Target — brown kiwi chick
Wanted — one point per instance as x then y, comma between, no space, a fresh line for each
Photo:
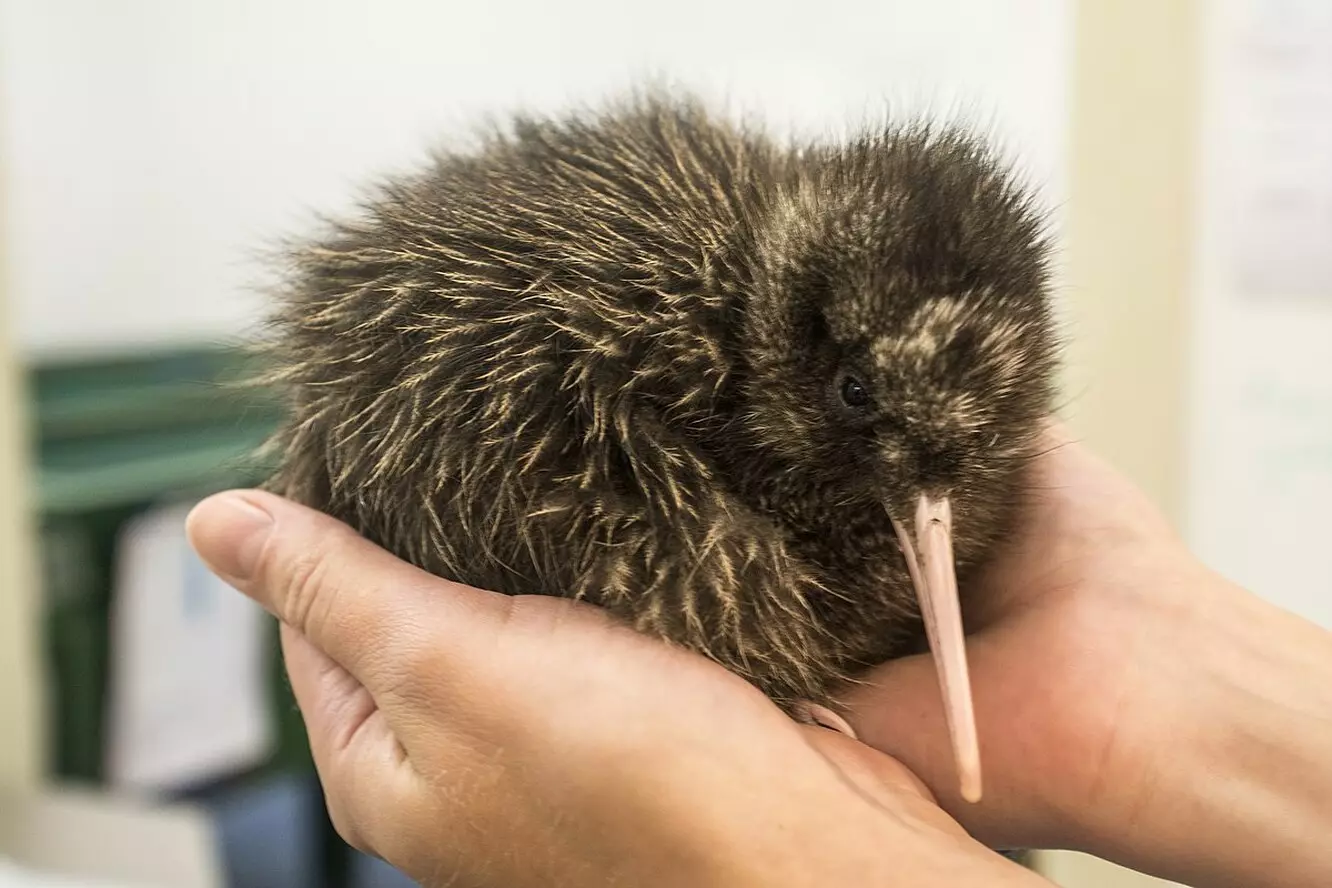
718,384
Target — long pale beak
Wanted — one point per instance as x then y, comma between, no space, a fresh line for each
934,575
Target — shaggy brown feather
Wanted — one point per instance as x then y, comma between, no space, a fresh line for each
606,356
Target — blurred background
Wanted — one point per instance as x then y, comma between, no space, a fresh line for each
152,150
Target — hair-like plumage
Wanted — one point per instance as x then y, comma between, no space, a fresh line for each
606,356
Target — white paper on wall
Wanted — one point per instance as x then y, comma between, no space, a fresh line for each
189,695
1260,502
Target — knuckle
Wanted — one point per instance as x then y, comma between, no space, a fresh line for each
304,589
348,792
343,824
370,815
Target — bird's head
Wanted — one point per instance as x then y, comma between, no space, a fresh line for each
902,350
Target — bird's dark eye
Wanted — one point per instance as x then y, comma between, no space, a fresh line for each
853,393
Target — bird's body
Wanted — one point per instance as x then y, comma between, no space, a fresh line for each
652,360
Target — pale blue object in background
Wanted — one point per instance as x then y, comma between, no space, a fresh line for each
268,833
371,872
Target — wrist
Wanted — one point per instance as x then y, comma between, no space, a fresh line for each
875,825
1232,783
849,817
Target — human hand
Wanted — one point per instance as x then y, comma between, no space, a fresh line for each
471,738
1129,702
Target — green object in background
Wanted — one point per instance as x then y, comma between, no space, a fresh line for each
76,616
114,437
131,430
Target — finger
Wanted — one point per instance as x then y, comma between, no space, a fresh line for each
337,709
366,778
381,619
896,709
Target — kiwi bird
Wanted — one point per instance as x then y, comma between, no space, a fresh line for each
762,398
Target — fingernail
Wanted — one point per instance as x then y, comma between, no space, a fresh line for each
826,718
229,531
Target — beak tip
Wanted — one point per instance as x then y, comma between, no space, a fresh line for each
971,786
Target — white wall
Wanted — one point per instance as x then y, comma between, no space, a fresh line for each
154,145
1260,454
22,697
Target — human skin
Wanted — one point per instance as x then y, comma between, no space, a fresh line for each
1130,703
473,739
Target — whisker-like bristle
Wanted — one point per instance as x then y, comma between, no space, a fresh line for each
597,356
